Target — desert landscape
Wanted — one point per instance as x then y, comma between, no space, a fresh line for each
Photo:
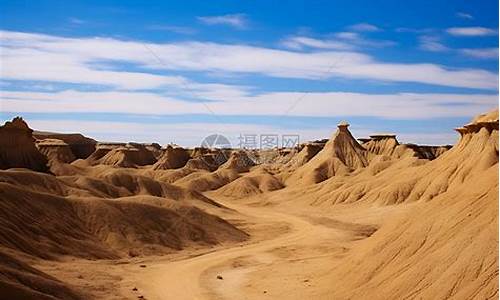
332,219
248,150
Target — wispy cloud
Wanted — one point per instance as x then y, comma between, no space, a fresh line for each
482,53
316,104
299,42
464,15
432,43
471,31
32,56
235,20
364,27
414,30
359,40
76,21
346,35
175,29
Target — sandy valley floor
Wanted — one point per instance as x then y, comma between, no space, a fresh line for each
290,255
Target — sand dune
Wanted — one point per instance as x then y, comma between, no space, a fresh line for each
334,219
257,182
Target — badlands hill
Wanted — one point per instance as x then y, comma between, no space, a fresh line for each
56,150
340,155
446,245
99,213
17,147
172,158
81,146
336,219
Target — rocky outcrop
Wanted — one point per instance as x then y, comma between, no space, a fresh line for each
131,155
308,151
55,150
412,179
388,145
101,150
172,158
81,146
155,148
447,245
381,144
238,161
427,152
208,159
340,155
17,147
125,155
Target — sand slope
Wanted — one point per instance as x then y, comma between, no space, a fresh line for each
105,214
20,281
445,249
256,182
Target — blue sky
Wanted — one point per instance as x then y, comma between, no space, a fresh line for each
176,71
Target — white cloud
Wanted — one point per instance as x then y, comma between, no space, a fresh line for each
80,60
358,40
432,43
175,29
319,104
471,31
414,30
482,53
337,41
234,20
464,15
38,57
346,35
364,27
299,42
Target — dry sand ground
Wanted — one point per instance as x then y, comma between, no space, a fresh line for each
378,220
290,256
